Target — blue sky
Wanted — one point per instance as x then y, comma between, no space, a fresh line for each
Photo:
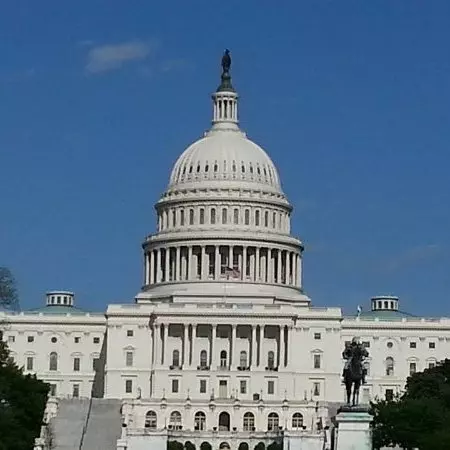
350,98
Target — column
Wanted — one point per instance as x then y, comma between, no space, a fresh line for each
232,357
299,271
279,255
288,268
189,263
269,266
254,347
163,344
193,351
282,347
294,269
186,346
244,263
177,276
158,266
146,271
212,353
230,257
167,263
257,277
152,267
216,263
288,346
203,273
156,344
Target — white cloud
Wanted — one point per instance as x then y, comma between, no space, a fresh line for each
104,58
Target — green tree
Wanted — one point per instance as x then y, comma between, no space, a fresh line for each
22,404
418,418
8,289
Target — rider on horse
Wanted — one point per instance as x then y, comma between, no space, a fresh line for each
348,353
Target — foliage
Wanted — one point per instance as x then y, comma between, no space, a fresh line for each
275,446
418,418
174,445
243,446
188,445
260,446
8,289
22,404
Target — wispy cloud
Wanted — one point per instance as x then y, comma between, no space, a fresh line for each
104,58
413,256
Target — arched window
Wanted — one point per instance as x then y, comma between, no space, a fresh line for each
182,217
223,358
236,216
200,421
257,218
175,419
224,215
297,421
213,216
266,219
272,422
249,421
191,217
203,358
243,359
53,365
202,216
247,217
176,358
274,220
389,366
174,218
243,446
150,420
271,359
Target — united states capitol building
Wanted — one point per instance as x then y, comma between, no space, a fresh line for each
221,338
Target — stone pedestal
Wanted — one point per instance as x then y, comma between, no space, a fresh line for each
354,431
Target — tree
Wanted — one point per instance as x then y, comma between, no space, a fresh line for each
418,418
22,404
8,289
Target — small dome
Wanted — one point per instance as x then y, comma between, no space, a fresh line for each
225,155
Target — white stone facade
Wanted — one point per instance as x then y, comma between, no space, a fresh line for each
221,337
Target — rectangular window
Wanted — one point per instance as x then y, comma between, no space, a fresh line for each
30,363
53,390
30,338
11,339
247,217
412,345
76,364
236,216
223,389
366,344
128,386
431,345
191,217
75,390
317,336
243,386
389,394
271,387
202,386
317,361
182,217
96,340
76,340
316,389
257,213
213,216
412,368
175,386
130,333
129,359
224,215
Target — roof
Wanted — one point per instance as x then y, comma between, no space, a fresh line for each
384,315
58,309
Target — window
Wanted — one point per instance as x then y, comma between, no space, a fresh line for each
431,345
182,217
249,421
223,389
128,386
412,345
431,365
202,386
366,344
243,359
389,345
236,216
199,421
96,340
53,364
317,361
389,394
224,215
266,219
317,336
175,419
297,421
203,358
150,420
129,359
412,368
52,390
202,216
389,366
257,214
274,220
191,217
223,358
174,218
54,340
76,364
176,358
213,216
30,339
130,333
316,389
175,386
76,339
271,387
247,217
243,386
75,390
11,338
272,422
270,359
30,362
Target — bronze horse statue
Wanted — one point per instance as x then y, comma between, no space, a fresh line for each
354,375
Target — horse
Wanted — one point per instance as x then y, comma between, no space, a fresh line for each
353,377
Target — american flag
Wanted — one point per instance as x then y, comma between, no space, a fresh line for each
233,273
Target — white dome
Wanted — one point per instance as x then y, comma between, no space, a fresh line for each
225,155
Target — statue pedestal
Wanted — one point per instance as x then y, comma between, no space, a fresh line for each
354,431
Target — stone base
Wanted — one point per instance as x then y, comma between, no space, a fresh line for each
353,432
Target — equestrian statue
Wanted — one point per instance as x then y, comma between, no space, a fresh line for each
354,373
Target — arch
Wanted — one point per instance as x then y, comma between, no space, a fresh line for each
203,358
297,421
176,358
248,421
175,419
273,421
224,421
223,358
199,421
205,446
243,359
390,365
53,363
151,420
243,446
270,359
224,446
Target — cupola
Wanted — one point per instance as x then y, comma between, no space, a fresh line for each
384,303
60,298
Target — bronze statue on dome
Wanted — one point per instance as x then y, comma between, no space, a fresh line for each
226,62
